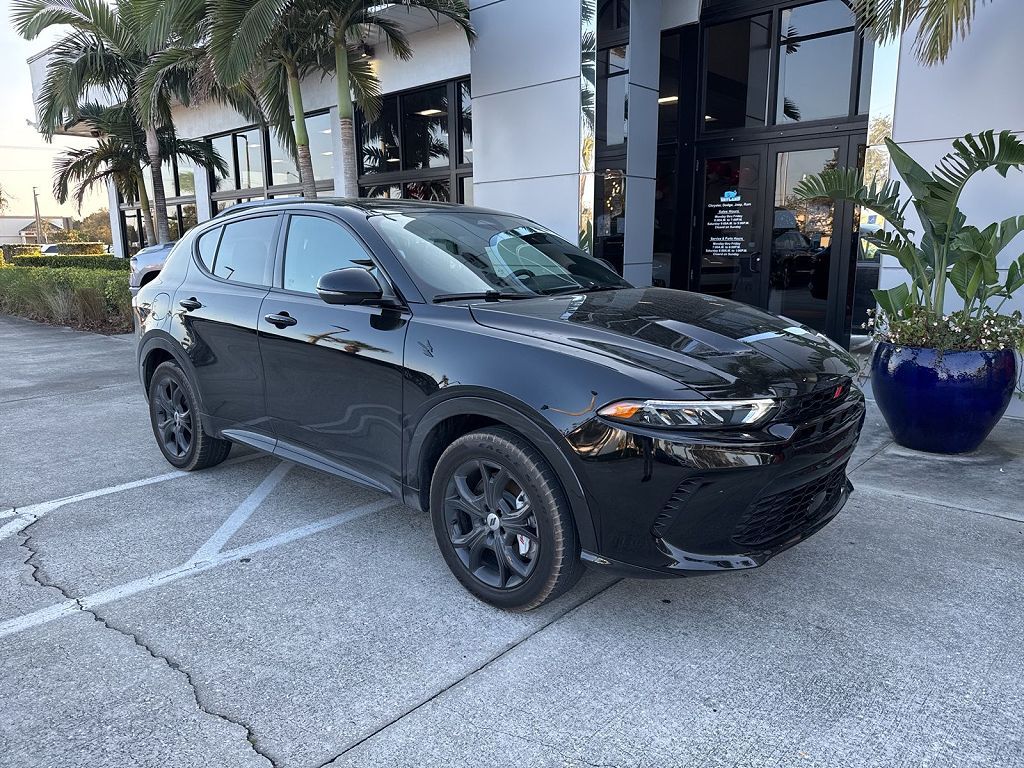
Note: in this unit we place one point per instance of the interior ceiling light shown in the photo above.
(668, 99)
(430, 112)
(393, 160)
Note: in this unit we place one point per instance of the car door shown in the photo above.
(220, 308)
(333, 373)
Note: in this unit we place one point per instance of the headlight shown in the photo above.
(701, 414)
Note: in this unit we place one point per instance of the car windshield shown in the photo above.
(451, 253)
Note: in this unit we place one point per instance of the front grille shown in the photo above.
(776, 518)
(816, 403)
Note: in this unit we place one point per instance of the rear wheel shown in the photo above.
(502, 522)
(174, 414)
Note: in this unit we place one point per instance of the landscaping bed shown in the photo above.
(81, 297)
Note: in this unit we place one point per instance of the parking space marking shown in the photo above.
(25, 516)
(190, 567)
(237, 518)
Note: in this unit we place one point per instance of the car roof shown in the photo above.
(367, 205)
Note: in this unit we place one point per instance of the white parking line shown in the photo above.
(25, 516)
(188, 568)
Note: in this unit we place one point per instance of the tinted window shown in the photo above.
(425, 128)
(736, 80)
(245, 249)
(314, 247)
(207, 247)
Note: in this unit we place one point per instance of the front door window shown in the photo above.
(801, 245)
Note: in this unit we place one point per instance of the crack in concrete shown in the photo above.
(39, 577)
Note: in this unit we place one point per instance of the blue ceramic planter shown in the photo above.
(941, 402)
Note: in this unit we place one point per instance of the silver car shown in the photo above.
(146, 264)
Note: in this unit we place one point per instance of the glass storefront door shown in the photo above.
(759, 244)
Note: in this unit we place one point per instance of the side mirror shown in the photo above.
(352, 285)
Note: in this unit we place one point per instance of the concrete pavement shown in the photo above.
(262, 614)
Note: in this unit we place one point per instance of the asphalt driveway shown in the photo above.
(262, 614)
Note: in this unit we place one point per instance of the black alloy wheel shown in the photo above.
(174, 415)
(502, 522)
(491, 524)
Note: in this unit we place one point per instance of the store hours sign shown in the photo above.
(728, 225)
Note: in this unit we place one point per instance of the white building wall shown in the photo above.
(526, 110)
(978, 88)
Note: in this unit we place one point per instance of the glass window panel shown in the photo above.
(189, 217)
(315, 247)
(425, 128)
(380, 140)
(249, 146)
(186, 176)
(466, 185)
(730, 227)
(606, 14)
(669, 88)
(222, 145)
(132, 223)
(816, 18)
(664, 220)
(428, 190)
(612, 96)
(801, 253)
(815, 78)
(283, 169)
(172, 222)
(393, 192)
(321, 146)
(207, 247)
(466, 121)
(245, 250)
(736, 79)
(167, 174)
(867, 60)
(610, 219)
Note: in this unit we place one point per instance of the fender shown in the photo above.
(157, 339)
(541, 438)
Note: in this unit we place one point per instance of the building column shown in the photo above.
(642, 145)
(204, 205)
(116, 230)
(533, 153)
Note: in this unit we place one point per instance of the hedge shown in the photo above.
(9, 250)
(97, 299)
(82, 249)
(78, 260)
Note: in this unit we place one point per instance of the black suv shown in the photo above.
(476, 366)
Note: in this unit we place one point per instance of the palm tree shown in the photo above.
(5, 200)
(104, 49)
(332, 34)
(939, 23)
(119, 156)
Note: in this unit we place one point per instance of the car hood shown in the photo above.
(713, 346)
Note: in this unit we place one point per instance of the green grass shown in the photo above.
(93, 299)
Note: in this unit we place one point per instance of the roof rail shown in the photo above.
(249, 205)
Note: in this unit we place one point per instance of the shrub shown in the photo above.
(11, 250)
(101, 261)
(82, 249)
(97, 299)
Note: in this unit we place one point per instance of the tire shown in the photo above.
(177, 427)
(502, 522)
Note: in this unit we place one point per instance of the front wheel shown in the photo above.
(502, 522)
(174, 414)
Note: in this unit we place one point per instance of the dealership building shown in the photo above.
(664, 135)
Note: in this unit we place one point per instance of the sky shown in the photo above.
(26, 160)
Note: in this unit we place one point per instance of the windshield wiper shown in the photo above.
(582, 289)
(485, 295)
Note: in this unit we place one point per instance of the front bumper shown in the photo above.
(682, 504)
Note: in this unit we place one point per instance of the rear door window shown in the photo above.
(245, 250)
(207, 247)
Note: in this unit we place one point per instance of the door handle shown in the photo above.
(190, 304)
(281, 320)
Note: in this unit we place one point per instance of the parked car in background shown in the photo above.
(146, 264)
(49, 250)
(473, 364)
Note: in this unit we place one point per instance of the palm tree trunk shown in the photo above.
(147, 212)
(346, 121)
(301, 137)
(163, 231)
